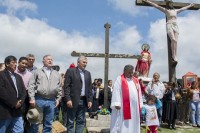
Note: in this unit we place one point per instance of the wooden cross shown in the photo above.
(106, 55)
(163, 4)
(171, 66)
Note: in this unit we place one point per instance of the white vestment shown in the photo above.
(118, 124)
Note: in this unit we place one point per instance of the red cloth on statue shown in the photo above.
(143, 64)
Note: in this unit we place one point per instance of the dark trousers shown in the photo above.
(57, 112)
(95, 105)
(184, 112)
(76, 115)
(171, 112)
(25, 110)
(64, 111)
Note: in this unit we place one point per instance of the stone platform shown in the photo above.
(100, 124)
(57, 127)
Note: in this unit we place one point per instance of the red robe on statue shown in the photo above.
(143, 65)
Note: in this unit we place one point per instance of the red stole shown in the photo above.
(125, 97)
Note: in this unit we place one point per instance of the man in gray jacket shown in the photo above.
(45, 91)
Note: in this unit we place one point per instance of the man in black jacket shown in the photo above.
(12, 96)
(78, 95)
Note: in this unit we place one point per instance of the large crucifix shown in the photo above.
(106, 55)
(170, 19)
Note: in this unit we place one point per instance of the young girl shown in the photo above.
(150, 112)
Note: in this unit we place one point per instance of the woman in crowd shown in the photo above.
(193, 93)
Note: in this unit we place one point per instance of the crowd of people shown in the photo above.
(157, 103)
(31, 96)
(179, 105)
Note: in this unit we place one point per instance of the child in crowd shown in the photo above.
(150, 111)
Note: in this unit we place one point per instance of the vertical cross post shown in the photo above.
(107, 26)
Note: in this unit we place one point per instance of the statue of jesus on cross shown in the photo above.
(171, 25)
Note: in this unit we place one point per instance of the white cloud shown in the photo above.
(15, 5)
(20, 37)
(125, 42)
(126, 6)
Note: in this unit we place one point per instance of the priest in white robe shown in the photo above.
(126, 103)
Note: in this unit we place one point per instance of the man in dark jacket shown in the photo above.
(12, 96)
(171, 95)
(78, 95)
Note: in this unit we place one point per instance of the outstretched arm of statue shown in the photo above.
(155, 5)
(185, 8)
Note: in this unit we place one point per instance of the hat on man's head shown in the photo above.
(34, 115)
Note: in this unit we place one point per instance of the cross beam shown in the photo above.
(106, 55)
(163, 4)
(74, 53)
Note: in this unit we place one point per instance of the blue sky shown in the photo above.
(58, 27)
(88, 16)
